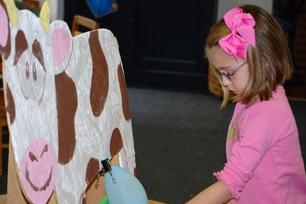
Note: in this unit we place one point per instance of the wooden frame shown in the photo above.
(87, 23)
(3, 122)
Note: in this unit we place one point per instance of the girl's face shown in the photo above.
(234, 71)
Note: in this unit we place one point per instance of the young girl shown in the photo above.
(248, 51)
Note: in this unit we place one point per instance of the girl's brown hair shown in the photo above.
(269, 61)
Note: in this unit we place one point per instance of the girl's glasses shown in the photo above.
(231, 73)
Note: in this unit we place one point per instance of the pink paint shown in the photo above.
(38, 171)
(3, 27)
(61, 41)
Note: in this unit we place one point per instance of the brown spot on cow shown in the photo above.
(92, 170)
(99, 79)
(124, 94)
(37, 52)
(66, 101)
(10, 107)
(21, 45)
(6, 50)
(116, 142)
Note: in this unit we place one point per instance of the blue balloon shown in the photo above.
(101, 8)
(121, 187)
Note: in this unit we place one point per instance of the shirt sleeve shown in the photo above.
(256, 135)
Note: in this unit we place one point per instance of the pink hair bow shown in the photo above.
(242, 35)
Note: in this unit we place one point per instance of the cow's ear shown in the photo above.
(5, 41)
(61, 46)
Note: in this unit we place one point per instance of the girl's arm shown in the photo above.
(217, 193)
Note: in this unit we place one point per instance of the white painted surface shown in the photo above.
(38, 118)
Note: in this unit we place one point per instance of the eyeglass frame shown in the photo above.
(231, 73)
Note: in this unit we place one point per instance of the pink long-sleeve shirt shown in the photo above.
(264, 161)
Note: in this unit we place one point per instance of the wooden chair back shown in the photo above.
(32, 3)
(86, 23)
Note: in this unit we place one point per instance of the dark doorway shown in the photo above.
(291, 14)
(161, 42)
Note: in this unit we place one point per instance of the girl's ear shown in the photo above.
(5, 42)
(61, 46)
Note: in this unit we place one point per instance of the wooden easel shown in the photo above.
(3, 121)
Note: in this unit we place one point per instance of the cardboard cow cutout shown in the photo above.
(66, 103)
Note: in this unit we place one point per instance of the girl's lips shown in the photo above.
(232, 92)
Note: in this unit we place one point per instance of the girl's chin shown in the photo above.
(233, 96)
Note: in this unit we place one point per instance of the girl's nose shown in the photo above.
(225, 81)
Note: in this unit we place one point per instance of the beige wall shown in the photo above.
(225, 5)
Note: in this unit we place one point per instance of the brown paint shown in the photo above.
(10, 107)
(34, 72)
(116, 142)
(32, 156)
(99, 79)
(37, 52)
(21, 45)
(92, 170)
(45, 150)
(33, 186)
(66, 101)
(124, 94)
(6, 50)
